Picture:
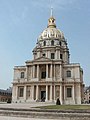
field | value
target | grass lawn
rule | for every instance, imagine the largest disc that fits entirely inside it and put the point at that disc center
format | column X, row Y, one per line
column 67, row 107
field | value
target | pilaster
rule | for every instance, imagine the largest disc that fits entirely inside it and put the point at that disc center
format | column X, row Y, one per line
column 47, row 71
column 37, row 92
column 61, row 94
column 51, row 71
column 46, row 92
column 51, row 92
column 25, row 92
column 38, row 71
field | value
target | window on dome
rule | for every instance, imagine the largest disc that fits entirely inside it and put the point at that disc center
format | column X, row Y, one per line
column 59, row 35
column 43, row 54
column 44, row 43
column 68, row 73
column 52, row 42
column 22, row 74
column 52, row 34
column 52, row 56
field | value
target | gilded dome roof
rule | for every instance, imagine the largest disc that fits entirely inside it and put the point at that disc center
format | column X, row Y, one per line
column 51, row 31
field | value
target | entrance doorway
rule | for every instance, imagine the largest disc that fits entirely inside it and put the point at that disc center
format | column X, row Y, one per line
column 43, row 96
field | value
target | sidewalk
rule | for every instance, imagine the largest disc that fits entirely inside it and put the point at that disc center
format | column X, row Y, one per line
column 19, row 118
column 25, row 105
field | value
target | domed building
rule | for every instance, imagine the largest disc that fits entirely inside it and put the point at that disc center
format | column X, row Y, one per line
column 49, row 75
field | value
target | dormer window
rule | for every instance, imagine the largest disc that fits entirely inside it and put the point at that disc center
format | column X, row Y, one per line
column 22, row 74
column 52, row 42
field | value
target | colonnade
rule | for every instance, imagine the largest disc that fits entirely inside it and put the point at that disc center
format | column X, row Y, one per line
column 50, row 71
column 50, row 91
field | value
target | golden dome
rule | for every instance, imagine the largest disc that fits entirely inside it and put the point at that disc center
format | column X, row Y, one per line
column 51, row 31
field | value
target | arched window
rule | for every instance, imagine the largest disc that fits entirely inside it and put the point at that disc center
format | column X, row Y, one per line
column 22, row 74
column 44, row 43
column 68, row 73
column 52, row 42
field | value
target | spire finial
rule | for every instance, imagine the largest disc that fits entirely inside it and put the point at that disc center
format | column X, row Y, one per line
column 51, row 11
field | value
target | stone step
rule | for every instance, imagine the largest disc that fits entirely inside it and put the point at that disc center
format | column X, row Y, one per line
column 45, row 110
column 42, row 114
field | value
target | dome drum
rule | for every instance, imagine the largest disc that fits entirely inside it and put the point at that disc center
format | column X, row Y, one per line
column 47, row 43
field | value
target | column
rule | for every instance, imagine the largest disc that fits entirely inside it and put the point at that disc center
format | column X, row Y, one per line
column 64, row 93
column 51, row 71
column 54, row 93
column 78, row 93
column 25, row 92
column 46, row 92
column 56, row 56
column 51, row 92
column 33, row 92
column 33, row 71
column 38, row 71
column 66, row 57
column 26, row 74
column 73, row 95
column 37, row 94
column 16, row 92
column 54, row 72
column 47, row 71
column 60, row 71
column 61, row 94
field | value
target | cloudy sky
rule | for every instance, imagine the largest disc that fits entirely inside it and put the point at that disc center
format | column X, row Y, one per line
column 21, row 22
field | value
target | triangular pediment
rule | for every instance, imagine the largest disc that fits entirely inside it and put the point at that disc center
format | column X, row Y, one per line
column 42, row 59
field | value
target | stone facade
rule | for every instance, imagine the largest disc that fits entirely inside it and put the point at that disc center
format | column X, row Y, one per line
column 6, row 95
column 49, row 75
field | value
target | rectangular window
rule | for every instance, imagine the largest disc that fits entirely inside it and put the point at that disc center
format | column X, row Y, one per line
column 69, row 92
column 68, row 73
column 43, row 75
column 21, row 90
column 52, row 56
column 61, row 56
column 22, row 74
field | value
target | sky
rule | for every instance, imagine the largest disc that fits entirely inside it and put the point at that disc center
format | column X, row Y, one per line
column 22, row 21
